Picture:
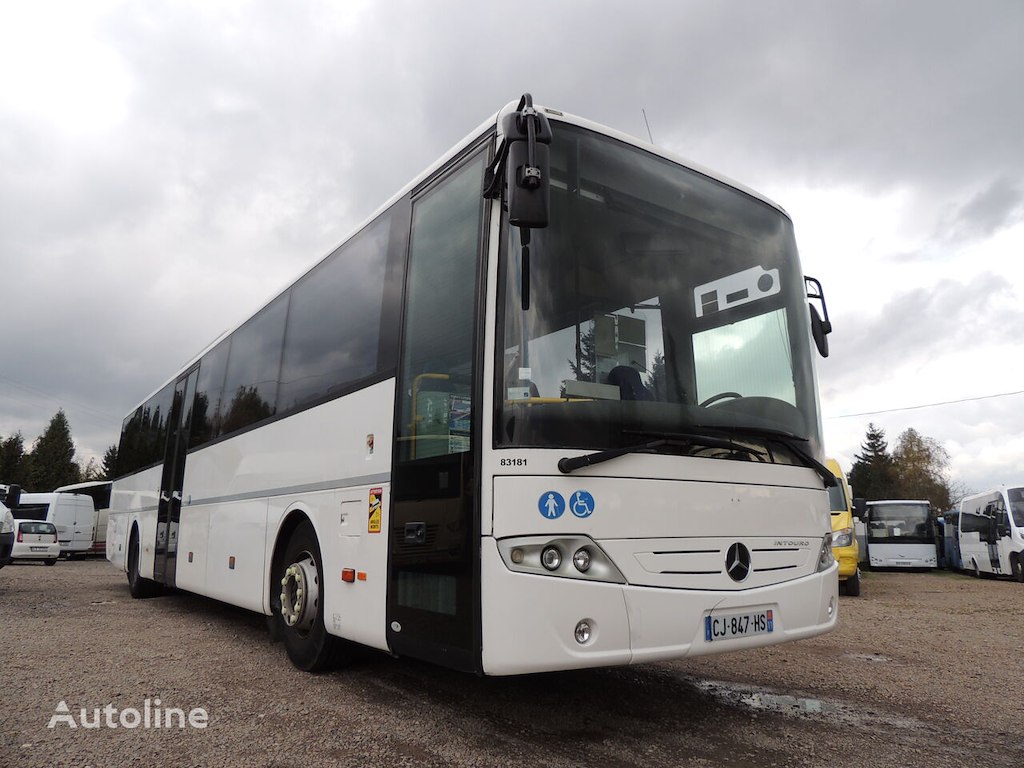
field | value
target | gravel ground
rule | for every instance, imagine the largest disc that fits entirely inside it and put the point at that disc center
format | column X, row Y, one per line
column 925, row 670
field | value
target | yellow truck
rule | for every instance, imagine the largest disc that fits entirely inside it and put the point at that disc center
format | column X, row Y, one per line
column 844, row 538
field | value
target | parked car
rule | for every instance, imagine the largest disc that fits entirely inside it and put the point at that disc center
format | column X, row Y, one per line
column 35, row 540
column 73, row 514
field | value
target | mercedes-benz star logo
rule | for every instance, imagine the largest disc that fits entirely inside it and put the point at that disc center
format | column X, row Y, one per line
column 737, row 562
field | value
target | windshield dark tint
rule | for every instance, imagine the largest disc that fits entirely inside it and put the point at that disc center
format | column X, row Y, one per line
column 659, row 300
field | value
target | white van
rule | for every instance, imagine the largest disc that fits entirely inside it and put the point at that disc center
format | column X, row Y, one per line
column 72, row 513
column 990, row 527
column 99, row 490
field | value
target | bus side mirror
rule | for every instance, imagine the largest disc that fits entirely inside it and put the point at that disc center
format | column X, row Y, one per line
column 860, row 508
column 528, row 168
column 820, row 328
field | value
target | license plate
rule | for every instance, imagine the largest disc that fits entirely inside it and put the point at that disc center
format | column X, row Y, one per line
column 38, row 549
column 726, row 626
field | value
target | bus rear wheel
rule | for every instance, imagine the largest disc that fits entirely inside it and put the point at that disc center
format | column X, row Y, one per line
column 298, row 604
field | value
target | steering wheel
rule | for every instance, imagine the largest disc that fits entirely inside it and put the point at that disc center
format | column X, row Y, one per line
column 719, row 396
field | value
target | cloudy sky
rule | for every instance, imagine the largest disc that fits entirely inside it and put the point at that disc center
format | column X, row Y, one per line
column 165, row 167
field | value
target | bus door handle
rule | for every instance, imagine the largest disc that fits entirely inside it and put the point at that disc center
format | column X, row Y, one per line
column 415, row 533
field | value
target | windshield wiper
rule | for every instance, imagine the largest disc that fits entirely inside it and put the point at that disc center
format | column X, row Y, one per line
column 790, row 441
column 675, row 439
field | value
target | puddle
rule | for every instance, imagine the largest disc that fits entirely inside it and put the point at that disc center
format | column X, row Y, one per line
column 766, row 700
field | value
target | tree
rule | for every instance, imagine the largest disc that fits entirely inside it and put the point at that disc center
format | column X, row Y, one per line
column 584, row 368
column 13, row 465
column 920, row 464
column 109, row 465
column 90, row 472
column 657, row 379
column 53, row 457
column 873, row 475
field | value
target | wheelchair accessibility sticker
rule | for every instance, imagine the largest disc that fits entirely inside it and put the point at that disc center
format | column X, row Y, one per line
column 582, row 504
column 551, row 505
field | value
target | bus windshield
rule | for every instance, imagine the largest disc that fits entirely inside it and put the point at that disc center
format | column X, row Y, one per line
column 837, row 499
column 659, row 302
column 895, row 521
column 1016, row 499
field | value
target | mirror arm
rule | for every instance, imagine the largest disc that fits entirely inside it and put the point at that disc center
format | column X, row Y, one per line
column 814, row 291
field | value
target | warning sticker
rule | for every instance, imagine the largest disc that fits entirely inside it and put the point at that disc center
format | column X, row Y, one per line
column 374, row 523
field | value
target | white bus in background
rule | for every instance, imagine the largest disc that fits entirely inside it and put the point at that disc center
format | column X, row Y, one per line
column 990, row 527
column 73, row 514
column 553, row 406
column 901, row 534
column 99, row 491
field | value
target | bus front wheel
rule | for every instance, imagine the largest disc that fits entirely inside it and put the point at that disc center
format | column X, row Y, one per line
column 297, row 588
column 851, row 587
column 1017, row 565
column 138, row 586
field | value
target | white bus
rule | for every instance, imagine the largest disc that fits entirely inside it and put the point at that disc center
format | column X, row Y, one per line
column 901, row 534
column 990, row 527
column 554, row 406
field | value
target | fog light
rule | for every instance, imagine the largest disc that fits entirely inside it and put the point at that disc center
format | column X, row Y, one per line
column 583, row 632
column 517, row 555
column 831, row 606
column 551, row 558
column 581, row 560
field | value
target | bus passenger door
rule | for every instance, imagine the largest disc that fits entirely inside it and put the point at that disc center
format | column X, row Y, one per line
column 169, row 509
column 433, row 536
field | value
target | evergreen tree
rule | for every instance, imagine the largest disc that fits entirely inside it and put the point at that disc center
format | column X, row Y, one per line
column 585, row 367
column 657, row 379
column 12, row 460
column 53, row 457
column 873, row 475
column 109, row 464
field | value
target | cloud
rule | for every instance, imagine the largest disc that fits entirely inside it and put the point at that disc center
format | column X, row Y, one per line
column 167, row 167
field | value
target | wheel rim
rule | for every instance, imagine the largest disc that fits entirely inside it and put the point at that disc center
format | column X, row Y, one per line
column 300, row 593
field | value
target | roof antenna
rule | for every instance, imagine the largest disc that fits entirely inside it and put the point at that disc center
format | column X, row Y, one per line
column 644, row 111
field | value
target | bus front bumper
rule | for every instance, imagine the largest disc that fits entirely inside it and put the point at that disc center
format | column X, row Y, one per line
column 529, row 621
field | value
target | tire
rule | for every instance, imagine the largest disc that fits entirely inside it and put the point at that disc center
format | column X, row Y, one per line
column 309, row 646
column 853, row 585
column 1017, row 565
column 139, row 587
column 51, row 561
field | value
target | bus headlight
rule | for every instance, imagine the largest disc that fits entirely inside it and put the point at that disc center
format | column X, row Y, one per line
column 546, row 556
column 551, row 558
column 582, row 560
column 825, row 557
